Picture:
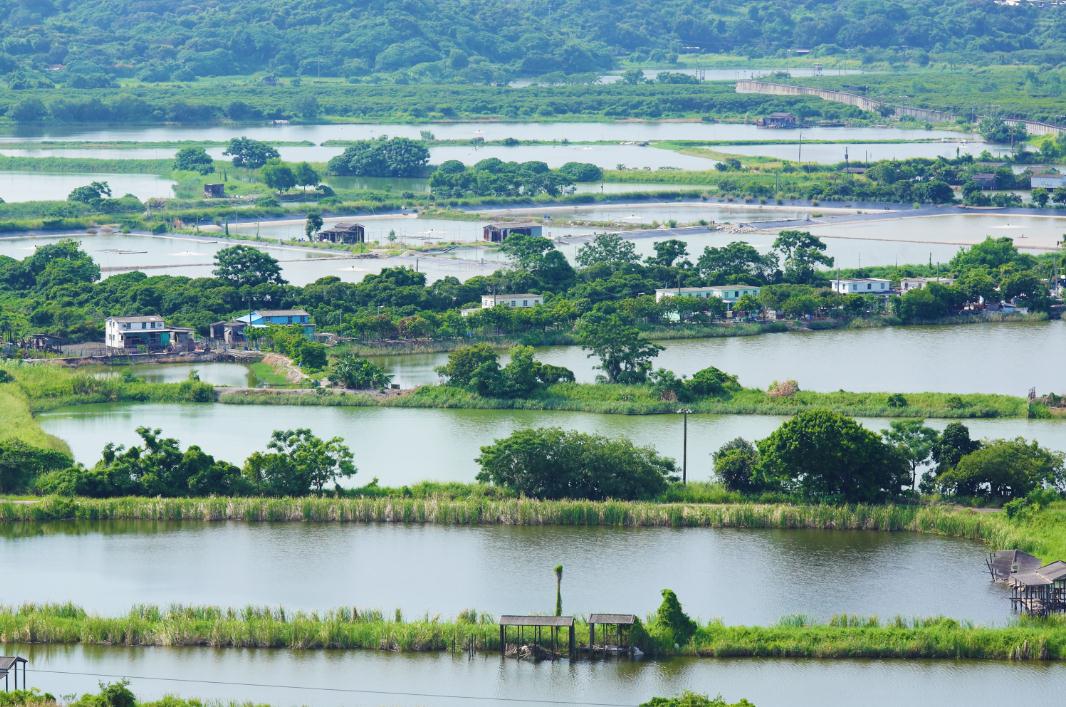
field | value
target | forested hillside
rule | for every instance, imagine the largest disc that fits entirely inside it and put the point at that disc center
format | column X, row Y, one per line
column 90, row 43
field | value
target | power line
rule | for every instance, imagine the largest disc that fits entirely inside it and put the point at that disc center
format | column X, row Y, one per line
column 387, row 693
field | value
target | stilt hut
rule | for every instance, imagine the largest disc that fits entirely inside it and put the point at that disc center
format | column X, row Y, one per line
column 9, row 667
column 622, row 625
column 345, row 232
column 1004, row 563
column 536, row 626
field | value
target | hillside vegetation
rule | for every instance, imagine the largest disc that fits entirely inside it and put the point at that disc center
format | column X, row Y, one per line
column 91, row 43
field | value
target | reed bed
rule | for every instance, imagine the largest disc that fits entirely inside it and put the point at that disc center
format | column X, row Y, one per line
column 477, row 510
column 843, row 637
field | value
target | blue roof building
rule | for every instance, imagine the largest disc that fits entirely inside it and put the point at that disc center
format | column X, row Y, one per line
column 279, row 317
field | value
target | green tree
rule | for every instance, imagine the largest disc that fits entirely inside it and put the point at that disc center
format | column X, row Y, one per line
column 312, row 225
column 306, row 176
column 92, row 194
column 465, row 361
column 1040, row 196
column 382, row 157
column 250, row 153
column 244, row 266
column 826, row 456
column 278, row 176
column 298, row 463
column 608, row 249
column 692, row 699
column 526, row 252
column 672, row 619
column 194, row 159
column 357, row 373
column 581, row 172
column 21, row 464
column 736, row 465
column 625, row 356
column 1003, row 470
column 800, row 253
column 914, row 442
column 554, row 463
column 668, row 253
column 737, row 262
column 30, row 110
column 558, row 590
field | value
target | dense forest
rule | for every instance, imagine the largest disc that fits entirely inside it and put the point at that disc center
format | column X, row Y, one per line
column 93, row 43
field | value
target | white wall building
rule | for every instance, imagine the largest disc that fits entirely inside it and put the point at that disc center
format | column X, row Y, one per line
column 907, row 284
column 520, row 301
column 122, row 332
column 861, row 286
column 728, row 293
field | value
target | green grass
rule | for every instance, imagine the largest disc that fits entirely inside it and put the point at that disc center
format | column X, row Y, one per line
column 17, row 421
column 844, row 637
column 268, row 375
column 46, row 386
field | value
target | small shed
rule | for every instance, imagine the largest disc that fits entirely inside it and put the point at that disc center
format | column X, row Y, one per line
column 779, row 120
column 1004, row 563
column 499, row 232
column 9, row 667
column 231, row 332
column 1030, row 592
column 214, row 191
column 536, row 624
column 984, row 180
column 346, row 232
column 623, row 627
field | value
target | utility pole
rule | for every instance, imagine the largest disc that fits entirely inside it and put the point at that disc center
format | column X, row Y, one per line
column 684, row 412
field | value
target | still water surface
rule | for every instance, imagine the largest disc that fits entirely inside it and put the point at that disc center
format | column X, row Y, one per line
column 335, row 678
column 738, row 576
column 1007, row 358
column 448, row 441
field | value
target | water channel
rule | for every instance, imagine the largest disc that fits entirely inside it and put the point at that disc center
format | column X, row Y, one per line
column 344, row 678
column 381, row 437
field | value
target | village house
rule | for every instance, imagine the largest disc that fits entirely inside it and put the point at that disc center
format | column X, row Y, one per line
column 907, row 284
column 499, row 232
column 778, row 120
column 1047, row 180
column 985, row 180
column 346, row 232
column 279, row 317
column 149, row 333
column 861, row 286
column 727, row 293
column 521, row 301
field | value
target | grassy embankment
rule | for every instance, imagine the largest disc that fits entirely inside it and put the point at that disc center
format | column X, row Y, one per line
column 642, row 400
column 843, row 637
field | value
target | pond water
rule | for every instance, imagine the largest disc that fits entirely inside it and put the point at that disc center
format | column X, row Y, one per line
column 738, row 576
column 194, row 257
column 214, row 372
column 344, row 678
column 864, row 152
column 381, row 437
column 1028, row 231
column 38, row 186
column 578, row 131
column 893, row 359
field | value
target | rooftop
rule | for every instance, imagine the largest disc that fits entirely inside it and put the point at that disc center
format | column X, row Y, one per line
column 148, row 318
column 343, row 226
column 523, row 295
column 709, row 288
column 282, row 313
column 862, row 279
column 567, row 621
column 528, row 224
column 620, row 619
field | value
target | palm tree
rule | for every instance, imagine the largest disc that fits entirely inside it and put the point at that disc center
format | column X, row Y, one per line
column 558, row 590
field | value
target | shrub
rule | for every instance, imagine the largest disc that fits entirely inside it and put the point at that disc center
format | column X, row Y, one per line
column 783, row 389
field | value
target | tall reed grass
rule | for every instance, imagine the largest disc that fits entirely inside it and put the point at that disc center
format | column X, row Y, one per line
column 843, row 637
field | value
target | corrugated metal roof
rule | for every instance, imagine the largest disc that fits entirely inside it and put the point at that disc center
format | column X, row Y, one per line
column 624, row 619
column 567, row 621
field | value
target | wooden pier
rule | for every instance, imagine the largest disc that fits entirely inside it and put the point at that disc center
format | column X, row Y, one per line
column 536, row 624
column 1035, row 589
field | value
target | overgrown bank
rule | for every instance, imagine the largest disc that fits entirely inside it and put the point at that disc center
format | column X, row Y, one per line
column 1041, row 532
column 795, row 637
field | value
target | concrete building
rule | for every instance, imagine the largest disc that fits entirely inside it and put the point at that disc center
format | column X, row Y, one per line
column 279, row 317
column 728, row 293
column 861, row 286
column 499, row 232
column 521, row 301
column 907, row 284
column 1047, row 180
column 149, row 333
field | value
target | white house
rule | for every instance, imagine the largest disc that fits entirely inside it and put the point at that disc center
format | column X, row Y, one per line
column 907, row 284
column 1047, row 180
column 861, row 286
column 149, row 332
column 728, row 293
column 521, row 301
